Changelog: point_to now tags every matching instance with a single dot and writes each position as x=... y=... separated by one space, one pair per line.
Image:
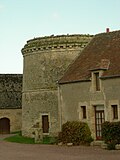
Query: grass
x=49 y=140
x=18 y=138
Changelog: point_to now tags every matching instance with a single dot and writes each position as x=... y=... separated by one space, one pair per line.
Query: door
x=45 y=123
x=4 y=126
x=99 y=119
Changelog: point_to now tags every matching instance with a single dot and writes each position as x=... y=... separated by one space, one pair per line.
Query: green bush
x=111 y=145
x=75 y=132
x=111 y=134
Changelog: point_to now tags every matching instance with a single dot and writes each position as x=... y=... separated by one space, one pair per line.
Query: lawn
x=20 y=139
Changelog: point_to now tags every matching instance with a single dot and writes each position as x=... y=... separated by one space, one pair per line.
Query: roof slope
x=103 y=52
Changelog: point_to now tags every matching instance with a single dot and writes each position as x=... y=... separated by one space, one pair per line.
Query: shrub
x=111 y=145
x=111 y=134
x=75 y=132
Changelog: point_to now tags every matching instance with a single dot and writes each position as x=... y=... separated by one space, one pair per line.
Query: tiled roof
x=103 y=52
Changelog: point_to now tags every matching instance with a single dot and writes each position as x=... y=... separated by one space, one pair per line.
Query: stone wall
x=15 y=117
x=11 y=99
x=45 y=61
x=10 y=91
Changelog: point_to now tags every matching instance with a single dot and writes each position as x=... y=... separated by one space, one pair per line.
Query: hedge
x=111 y=133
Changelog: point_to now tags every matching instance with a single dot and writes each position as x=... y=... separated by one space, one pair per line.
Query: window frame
x=84 y=114
x=97 y=81
x=49 y=120
x=115 y=111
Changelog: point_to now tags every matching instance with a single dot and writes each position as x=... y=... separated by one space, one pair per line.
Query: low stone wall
x=15 y=117
x=10 y=91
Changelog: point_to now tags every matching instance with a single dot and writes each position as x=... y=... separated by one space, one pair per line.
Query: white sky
x=21 y=20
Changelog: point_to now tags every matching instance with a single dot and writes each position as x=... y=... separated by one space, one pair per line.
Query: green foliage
x=111 y=145
x=20 y=139
x=49 y=140
x=111 y=134
x=75 y=132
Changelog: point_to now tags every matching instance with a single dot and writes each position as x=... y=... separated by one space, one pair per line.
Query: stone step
x=96 y=143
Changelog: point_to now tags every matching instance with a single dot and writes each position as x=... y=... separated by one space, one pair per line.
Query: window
x=115 y=111
x=97 y=81
x=83 y=111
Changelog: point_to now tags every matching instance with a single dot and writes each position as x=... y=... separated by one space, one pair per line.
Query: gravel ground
x=16 y=151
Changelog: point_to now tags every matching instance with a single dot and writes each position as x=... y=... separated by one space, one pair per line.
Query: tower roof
x=56 y=43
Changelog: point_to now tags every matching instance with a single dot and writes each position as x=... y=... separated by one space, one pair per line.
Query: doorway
x=99 y=119
x=4 y=126
x=45 y=123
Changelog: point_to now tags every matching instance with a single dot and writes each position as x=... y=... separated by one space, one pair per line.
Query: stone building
x=10 y=103
x=45 y=60
x=89 y=91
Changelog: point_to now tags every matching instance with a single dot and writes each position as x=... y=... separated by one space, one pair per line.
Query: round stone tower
x=45 y=61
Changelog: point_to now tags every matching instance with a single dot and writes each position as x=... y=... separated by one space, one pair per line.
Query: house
x=10 y=103
x=89 y=91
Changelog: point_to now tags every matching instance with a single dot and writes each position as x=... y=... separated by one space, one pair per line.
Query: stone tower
x=45 y=61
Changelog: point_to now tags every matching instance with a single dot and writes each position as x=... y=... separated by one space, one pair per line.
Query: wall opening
x=99 y=119
x=45 y=123
x=4 y=126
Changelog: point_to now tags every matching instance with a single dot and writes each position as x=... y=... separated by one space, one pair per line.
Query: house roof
x=103 y=52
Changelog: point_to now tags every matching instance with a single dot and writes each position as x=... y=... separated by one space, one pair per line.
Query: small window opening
x=97 y=81
x=115 y=111
x=83 y=111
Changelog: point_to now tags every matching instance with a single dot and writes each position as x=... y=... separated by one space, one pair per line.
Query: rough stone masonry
x=45 y=61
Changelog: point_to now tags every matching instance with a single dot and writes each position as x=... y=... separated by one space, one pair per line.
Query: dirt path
x=16 y=151
x=2 y=136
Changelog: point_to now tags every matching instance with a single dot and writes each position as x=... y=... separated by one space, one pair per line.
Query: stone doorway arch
x=4 y=126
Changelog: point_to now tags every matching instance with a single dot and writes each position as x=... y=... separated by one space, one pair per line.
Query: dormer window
x=97 y=81
x=97 y=72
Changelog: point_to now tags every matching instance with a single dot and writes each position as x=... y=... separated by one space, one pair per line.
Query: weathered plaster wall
x=45 y=61
x=74 y=95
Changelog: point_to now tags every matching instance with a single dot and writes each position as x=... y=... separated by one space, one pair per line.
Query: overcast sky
x=21 y=20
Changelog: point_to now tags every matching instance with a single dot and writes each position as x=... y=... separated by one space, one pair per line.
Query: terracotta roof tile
x=103 y=52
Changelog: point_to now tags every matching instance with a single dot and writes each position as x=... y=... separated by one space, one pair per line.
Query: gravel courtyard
x=16 y=151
